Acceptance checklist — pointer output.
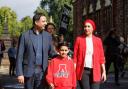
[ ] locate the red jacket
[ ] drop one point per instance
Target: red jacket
(61, 72)
(79, 56)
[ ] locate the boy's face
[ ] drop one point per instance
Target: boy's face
(63, 51)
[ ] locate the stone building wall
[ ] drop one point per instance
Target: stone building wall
(77, 16)
(114, 15)
(7, 41)
(126, 20)
(120, 17)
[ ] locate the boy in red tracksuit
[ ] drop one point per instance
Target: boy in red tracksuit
(61, 71)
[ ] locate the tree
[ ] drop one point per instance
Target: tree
(22, 26)
(26, 24)
(40, 10)
(8, 19)
(54, 9)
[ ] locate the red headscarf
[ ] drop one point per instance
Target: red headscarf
(91, 22)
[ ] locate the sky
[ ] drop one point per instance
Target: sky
(21, 7)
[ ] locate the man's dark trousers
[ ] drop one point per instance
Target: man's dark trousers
(37, 81)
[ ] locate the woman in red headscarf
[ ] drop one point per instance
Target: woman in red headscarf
(89, 58)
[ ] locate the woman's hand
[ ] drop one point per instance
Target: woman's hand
(52, 86)
(103, 76)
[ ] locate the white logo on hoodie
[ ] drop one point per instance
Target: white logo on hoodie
(62, 71)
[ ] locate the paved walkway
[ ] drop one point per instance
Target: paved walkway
(110, 84)
(7, 82)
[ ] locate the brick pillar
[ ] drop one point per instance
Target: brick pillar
(102, 13)
(114, 13)
(118, 16)
(77, 17)
(126, 20)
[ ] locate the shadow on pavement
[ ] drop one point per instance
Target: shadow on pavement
(7, 82)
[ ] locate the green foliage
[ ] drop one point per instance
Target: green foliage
(1, 30)
(54, 9)
(40, 10)
(7, 19)
(22, 26)
(15, 32)
(26, 24)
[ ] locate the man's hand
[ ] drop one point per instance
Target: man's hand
(21, 79)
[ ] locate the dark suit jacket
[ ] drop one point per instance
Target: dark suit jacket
(26, 53)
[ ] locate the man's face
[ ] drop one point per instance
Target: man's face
(41, 22)
(88, 29)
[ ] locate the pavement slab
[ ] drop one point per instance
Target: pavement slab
(7, 82)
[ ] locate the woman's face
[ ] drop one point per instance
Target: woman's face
(50, 29)
(88, 29)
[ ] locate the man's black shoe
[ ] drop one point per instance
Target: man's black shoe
(117, 84)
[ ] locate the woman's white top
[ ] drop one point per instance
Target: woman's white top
(89, 52)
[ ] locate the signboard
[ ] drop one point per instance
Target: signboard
(64, 19)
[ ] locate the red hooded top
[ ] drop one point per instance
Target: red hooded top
(61, 72)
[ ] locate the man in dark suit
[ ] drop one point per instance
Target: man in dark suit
(35, 45)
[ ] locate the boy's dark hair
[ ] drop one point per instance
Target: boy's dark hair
(37, 16)
(62, 44)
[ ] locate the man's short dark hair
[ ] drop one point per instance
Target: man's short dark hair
(37, 16)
